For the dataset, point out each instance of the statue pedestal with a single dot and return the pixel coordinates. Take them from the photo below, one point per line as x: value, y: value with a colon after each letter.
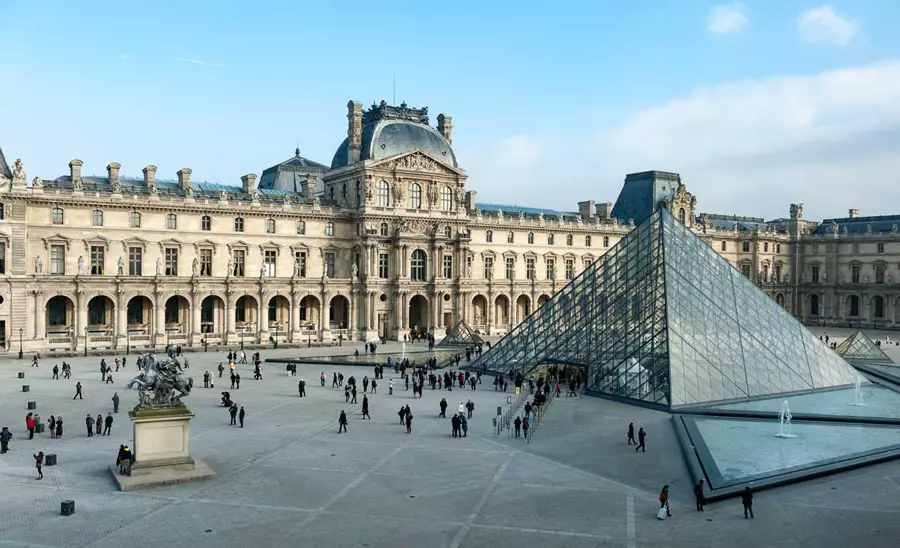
x: 162, y: 450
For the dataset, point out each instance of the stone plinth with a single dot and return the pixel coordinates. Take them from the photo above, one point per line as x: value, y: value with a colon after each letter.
x: 162, y: 450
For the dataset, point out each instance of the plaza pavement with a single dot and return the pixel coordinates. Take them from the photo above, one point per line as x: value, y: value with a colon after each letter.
x: 288, y: 478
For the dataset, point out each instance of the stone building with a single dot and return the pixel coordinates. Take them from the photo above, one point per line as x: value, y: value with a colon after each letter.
x: 387, y: 239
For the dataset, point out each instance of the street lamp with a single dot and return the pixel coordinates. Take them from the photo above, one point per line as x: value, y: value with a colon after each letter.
x: 127, y: 341
x: 21, y: 354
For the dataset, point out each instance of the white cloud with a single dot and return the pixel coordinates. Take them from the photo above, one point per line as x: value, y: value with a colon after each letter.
x: 727, y: 19
x: 746, y: 148
x: 823, y: 25
x: 199, y: 62
x: 125, y: 56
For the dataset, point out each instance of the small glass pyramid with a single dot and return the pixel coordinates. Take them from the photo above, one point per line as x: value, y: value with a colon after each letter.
x: 664, y: 319
x: 461, y: 335
x: 859, y: 346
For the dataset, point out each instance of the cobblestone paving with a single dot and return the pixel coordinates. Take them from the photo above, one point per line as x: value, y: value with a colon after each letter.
x: 289, y: 479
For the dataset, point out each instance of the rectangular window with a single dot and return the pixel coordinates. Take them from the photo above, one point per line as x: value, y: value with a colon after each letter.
x: 765, y: 246
x: 383, y: 259
x: 745, y: 269
x: 448, y: 266
x: 529, y: 268
x: 510, y: 268
x: 879, y: 273
x: 777, y: 248
x: 329, y: 264
x: 2, y: 257
x: 745, y: 247
x: 269, y: 259
x: 240, y: 257
x: 776, y: 273
x: 570, y: 269
x: 58, y: 259
x: 96, y: 260
x: 488, y: 267
x: 206, y: 262
x: 171, y: 261
x: 300, y: 259
x: 551, y: 269
x: 56, y: 215
x: 814, y: 274
x: 881, y: 248
x: 135, y: 261
x: 854, y: 274
x: 206, y: 223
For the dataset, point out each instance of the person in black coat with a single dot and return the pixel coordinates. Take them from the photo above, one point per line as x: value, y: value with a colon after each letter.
x: 365, y: 408
x: 39, y: 463
x: 699, y: 496
x: 642, y: 435
x: 342, y: 422
x: 455, y: 422
x: 631, y: 439
x: 747, y: 502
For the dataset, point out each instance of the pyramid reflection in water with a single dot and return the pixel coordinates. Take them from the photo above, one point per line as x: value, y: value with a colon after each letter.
x: 663, y: 319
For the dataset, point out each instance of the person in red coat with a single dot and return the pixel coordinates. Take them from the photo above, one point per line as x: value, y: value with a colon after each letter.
x: 29, y: 424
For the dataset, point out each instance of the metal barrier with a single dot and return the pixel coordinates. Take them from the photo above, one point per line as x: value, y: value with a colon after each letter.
x: 539, y: 415
x: 505, y: 419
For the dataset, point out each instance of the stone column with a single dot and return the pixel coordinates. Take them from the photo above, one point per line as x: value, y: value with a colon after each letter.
x: 353, y: 311
x: 230, y: 317
x: 373, y: 302
x: 295, y: 316
x: 159, y: 311
x: 40, y: 321
x: 489, y: 313
x: 195, y: 336
x: 325, y: 313
x: 81, y: 314
x: 121, y: 317
x: 262, y: 318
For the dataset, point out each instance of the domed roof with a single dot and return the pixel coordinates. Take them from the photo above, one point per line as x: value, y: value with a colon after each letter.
x: 387, y: 134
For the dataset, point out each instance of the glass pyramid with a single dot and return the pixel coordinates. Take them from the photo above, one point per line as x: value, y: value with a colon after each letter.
x: 664, y: 319
x: 461, y: 335
x: 859, y: 346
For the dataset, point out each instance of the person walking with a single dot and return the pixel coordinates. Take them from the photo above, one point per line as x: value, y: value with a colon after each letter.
x: 51, y: 426
x: 390, y: 387
x: 699, y: 496
x: 99, y: 424
x: 374, y: 387
x: 322, y: 379
x: 342, y: 422
x: 443, y: 414
x: 34, y: 361
x: 89, y: 422
x: 55, y: 372
x: 642, y: 437
x: 402, y: 414
x: 365, y: 408
x: 29, y: 425
x: 39, y: 464
x: 463, y: 425
x: 102, y: 370
x: 59, y: 426
x: 232, y: 410
x: 241, y: 416
x: 347, y: 394
x: 108, y: 424
x: 518, y: 425
x: 454, y: 422
x: 353, y: 393
x: 525, y: 426
x: 115, y: 400
x: 221, y: 369
x: 631, y: 439
x: 78, y: 394
x: 5, y: 436
x: 747, y: 502
x: 237, y: 380
x: 301, y: 386
x: 470, y: 408
x: 365, y: 384
x: 409, y: 419
x: 664, y: 503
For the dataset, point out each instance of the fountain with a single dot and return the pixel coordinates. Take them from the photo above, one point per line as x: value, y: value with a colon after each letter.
x: 857, y: 395
x: 403, y: 356
x: 784, y: 422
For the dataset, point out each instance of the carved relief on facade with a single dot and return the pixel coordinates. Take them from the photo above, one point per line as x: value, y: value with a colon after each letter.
x: 416, y: 162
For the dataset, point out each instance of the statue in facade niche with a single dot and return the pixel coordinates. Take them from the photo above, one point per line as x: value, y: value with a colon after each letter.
x: 297, y: 269
x: 121, y: 266
x: 159, y: 265
x: 354, y: 271
x: 195, y: 266
x: 370, y: 188
x: 229, y: 268
x: 81, y: 265
x: 460, y: 196
x: 38, y: 265
x: 161, y: 384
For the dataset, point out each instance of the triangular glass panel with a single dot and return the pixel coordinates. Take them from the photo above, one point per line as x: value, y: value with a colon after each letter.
x: 859, y: 346
x: 662, y: 318
x: 461, y: 335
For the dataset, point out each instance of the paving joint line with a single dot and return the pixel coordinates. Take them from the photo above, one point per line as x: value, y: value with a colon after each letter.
x: 479, y: 506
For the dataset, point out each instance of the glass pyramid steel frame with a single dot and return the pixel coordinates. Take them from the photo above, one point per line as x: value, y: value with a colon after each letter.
x: 461, y: 335
x: 663, y: 319
x: 859, y: 346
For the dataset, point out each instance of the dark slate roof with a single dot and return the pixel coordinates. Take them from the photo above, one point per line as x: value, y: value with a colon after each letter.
x: 884, y: 224
x: 635, y: 201
x: 291, y: 173
x: 515, y: 209
x: 729, y: 222
x: 386, y: 138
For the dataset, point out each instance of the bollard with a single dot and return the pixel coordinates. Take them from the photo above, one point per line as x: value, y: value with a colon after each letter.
x: 39, y: 428
x: 32, y: 405
x: 50, y: 460
x: 67, y: 507
x: 21, y: 374
x: 26, y: 388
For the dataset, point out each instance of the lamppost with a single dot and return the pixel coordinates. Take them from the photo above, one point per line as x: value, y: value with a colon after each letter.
x: 127, y: 341
x: 21, y: 353
x: 86, y: 341
x: 309, y: 338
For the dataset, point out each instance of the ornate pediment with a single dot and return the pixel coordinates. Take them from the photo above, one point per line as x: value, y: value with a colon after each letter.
x: 416, y: 161
x: 170, y: 242
x: 57, y: 239
x: 134, y: 242
x: 96, y: 240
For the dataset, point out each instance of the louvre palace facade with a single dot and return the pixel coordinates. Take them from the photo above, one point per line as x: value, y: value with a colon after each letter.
x: 386, y: 239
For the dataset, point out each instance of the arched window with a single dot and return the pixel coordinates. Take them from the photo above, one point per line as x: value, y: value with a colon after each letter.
x: 779, y: 298
x: 270, y: 226
x: 238, y: 224
x: 489, y: 236
x: 569, y: 239
x: 56, y: 215
x: 301, y: 227
x: 531, y: 237
x: 606, y: 241
x: 359, y: 200
x: 415, y: 196
x: 384, y: 229
x: 383, y: 195
x: 206, y: 223
x: 854, y: 306
x: 171, y: 221
x: 878, y: 307
x: 417, y: 266
x: 135, y: 219
x: 681, y: 215
x: 331, y: 194
x: 344, y: 193
x: 329, y: 228
x: 549, y: 239
x: 724, y: 245
x: 96, y: 217
x: 587, y: 240
x: 510, y: 237
x: 765, y: 246
x: 446, y: 198
x: 814, y: 305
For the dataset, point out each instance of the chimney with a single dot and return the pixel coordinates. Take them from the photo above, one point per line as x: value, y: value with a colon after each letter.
x: 445, y: 127
x: 113, y: 172
x: 853, y: 213
x: 184, y: 178
x: 586, y: 209
x: 149, y: 176
x: 604, y: 210
x: 470, y: 199
x: 75, y: 169
x: 308, y: 187
x: 249, y: 183
x: 354, y: 131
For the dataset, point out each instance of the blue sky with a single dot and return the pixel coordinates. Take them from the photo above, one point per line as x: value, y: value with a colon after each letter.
x: 756, y: 103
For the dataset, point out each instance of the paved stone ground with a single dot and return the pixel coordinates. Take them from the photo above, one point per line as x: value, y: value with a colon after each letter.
x: 288, y: 478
